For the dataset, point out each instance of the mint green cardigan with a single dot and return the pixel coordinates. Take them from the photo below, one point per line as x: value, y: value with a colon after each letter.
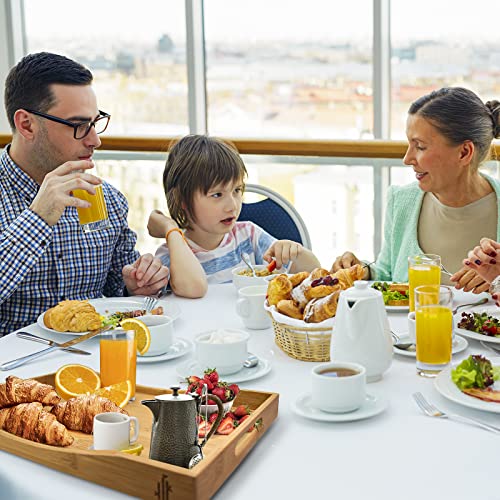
x: 400, y: 231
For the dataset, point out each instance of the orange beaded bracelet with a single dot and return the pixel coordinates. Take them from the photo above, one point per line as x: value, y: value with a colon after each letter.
x: 176, y: 229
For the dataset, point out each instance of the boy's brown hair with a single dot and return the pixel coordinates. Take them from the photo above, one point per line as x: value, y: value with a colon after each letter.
x: 197, y: 163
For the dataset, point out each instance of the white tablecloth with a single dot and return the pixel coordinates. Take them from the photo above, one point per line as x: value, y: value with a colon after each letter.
x: 400, y: 454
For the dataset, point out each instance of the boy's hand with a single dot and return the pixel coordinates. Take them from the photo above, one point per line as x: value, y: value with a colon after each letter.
x: 283, y: 251
x: 159, y: 224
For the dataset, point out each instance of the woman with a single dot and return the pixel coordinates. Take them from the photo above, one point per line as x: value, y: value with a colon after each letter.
x: 452, y: 205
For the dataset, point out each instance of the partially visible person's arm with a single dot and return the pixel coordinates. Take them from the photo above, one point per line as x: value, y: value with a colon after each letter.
x: 347, y: 260
x: 484, y: 259
x: 187, y: 277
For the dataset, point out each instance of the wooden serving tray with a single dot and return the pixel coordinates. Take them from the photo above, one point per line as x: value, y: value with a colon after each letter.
x: 139, y: 475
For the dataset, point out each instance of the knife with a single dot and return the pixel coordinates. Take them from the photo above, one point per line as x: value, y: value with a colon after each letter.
x: 30, y: 357
x: 41, y: 340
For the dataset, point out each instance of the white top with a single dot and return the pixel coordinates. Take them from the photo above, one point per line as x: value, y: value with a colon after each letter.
x: 398, y: 454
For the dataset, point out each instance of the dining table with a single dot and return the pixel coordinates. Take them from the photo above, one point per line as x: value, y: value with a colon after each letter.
x: 398, y: 454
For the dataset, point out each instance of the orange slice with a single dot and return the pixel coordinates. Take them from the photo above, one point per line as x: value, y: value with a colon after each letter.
x: 73, y: 380
x: 119, y: 393
x: 142, y: 333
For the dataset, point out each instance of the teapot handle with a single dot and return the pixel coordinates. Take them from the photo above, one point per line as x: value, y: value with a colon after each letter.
x: 215, y: 425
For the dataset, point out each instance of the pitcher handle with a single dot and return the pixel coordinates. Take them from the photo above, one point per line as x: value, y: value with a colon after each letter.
x: 215, y: 425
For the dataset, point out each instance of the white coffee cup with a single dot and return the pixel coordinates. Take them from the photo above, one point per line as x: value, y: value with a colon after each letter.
x: 162, y: 333
x: 338, y: 387
x: 250, y: 306
x: 412, y: 328
x: 112, y: 431
x: 225, y: 350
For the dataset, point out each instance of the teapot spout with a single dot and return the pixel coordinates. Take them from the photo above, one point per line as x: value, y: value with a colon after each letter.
x: 153, y: 405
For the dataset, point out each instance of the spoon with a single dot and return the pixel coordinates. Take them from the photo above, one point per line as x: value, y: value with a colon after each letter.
x: 246, y: 259
x: 403, y: 346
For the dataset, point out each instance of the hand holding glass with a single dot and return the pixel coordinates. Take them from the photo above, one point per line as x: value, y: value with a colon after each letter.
x: 434, y: 328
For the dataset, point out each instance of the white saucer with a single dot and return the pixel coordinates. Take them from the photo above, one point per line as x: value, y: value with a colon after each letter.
x: 180, y: 347
x: 262, y: 368
x: 459, y: 344
x: 372, y: 406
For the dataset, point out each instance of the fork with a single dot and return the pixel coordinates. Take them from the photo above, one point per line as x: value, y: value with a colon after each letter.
x: 150, y: 303
x: 479, y: 302
x: 430, y: 410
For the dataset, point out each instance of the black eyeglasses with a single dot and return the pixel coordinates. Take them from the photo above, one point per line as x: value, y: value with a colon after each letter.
x: 80, y: 129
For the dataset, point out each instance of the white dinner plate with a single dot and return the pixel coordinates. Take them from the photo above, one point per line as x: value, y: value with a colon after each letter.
x: 106, y: 306
x: 492, y: 310
x: 397, y: 308
x: 449, y: 390
x: 263, y: 367
x: 179, y: 348
x: 372, y: 406
x: 459, y: 344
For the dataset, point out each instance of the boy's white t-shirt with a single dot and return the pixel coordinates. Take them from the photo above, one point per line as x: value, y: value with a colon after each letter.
x: 218, y: 263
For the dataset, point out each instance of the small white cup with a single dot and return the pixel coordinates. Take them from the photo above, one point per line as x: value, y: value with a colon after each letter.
x: 250, y: 306
x: 162, y: 333
x: 412, y: 328
x: 338, y: 394
x: 112, y: 431
x: 228, y: 356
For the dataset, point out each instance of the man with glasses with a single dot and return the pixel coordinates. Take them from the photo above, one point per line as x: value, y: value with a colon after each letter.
x: 45, y: 257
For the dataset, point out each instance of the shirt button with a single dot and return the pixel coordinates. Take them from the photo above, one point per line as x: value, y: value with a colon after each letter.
x: 59, y: 256
x: 42, y: 243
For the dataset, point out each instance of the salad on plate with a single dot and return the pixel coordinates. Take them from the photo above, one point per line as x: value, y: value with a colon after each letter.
x: 394, y: 294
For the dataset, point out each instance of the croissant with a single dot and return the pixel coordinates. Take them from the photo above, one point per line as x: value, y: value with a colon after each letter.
x: 279, y: 288
x: 318, y: 310
x: 298, y: 278
x: 78, y: 413
x: 347, y: 277
x: 72, y: 316
x: 16, y: 390
x: 290, y: 308
x: 31, y: 421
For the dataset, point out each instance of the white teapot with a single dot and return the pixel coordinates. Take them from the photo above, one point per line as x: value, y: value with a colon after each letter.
x: 362, y: 333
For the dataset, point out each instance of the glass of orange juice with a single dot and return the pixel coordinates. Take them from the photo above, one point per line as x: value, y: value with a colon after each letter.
x: 118, y: 356
x: 94, y: 217
x: 434, y: 328
x: 423, y: 269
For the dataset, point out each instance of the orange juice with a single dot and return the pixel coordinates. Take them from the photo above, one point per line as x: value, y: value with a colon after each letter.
x: 96, y: 212
x: 422, y: 274
x: 118, y: 355
x: 434, y: 326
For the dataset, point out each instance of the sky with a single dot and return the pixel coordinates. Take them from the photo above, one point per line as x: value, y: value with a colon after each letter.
x: 240, y: 20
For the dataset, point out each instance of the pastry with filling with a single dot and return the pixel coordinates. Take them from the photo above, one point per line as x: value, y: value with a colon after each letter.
x: 318, y: 310
x: 279, y: 288
x: 290, y: 308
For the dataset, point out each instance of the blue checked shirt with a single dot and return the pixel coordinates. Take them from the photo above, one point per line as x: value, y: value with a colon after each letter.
x: 41, y: 265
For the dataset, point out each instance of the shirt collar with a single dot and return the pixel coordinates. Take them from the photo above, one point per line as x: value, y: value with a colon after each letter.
x: 18, y: 178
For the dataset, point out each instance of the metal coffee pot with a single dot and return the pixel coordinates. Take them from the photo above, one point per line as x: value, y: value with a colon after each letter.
x: 174, y: 435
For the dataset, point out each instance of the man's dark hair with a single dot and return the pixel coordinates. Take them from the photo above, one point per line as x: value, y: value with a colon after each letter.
x: 28, y: 82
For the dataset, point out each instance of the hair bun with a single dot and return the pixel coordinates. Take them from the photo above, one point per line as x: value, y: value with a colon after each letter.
x: 493, y: 108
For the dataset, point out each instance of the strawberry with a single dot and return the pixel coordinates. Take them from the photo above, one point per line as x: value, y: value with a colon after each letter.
x: 226, y: 426
x: 257, y: 424
x: 204, y: 429
x: 231, y: 414
x: 271, y: 266
x: 235, y: 389
x: 241, y: 411
x: 211, y: 402
x: 192, y: 387
x: 213, y: 417
x: 192, y: 379
x: 208, y: 383
x: 220, y: 392
x: 212, y: 375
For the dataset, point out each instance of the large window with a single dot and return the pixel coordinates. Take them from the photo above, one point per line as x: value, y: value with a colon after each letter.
x: 289, y: 69
x: 137, y: 53
x: 442, y: 44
